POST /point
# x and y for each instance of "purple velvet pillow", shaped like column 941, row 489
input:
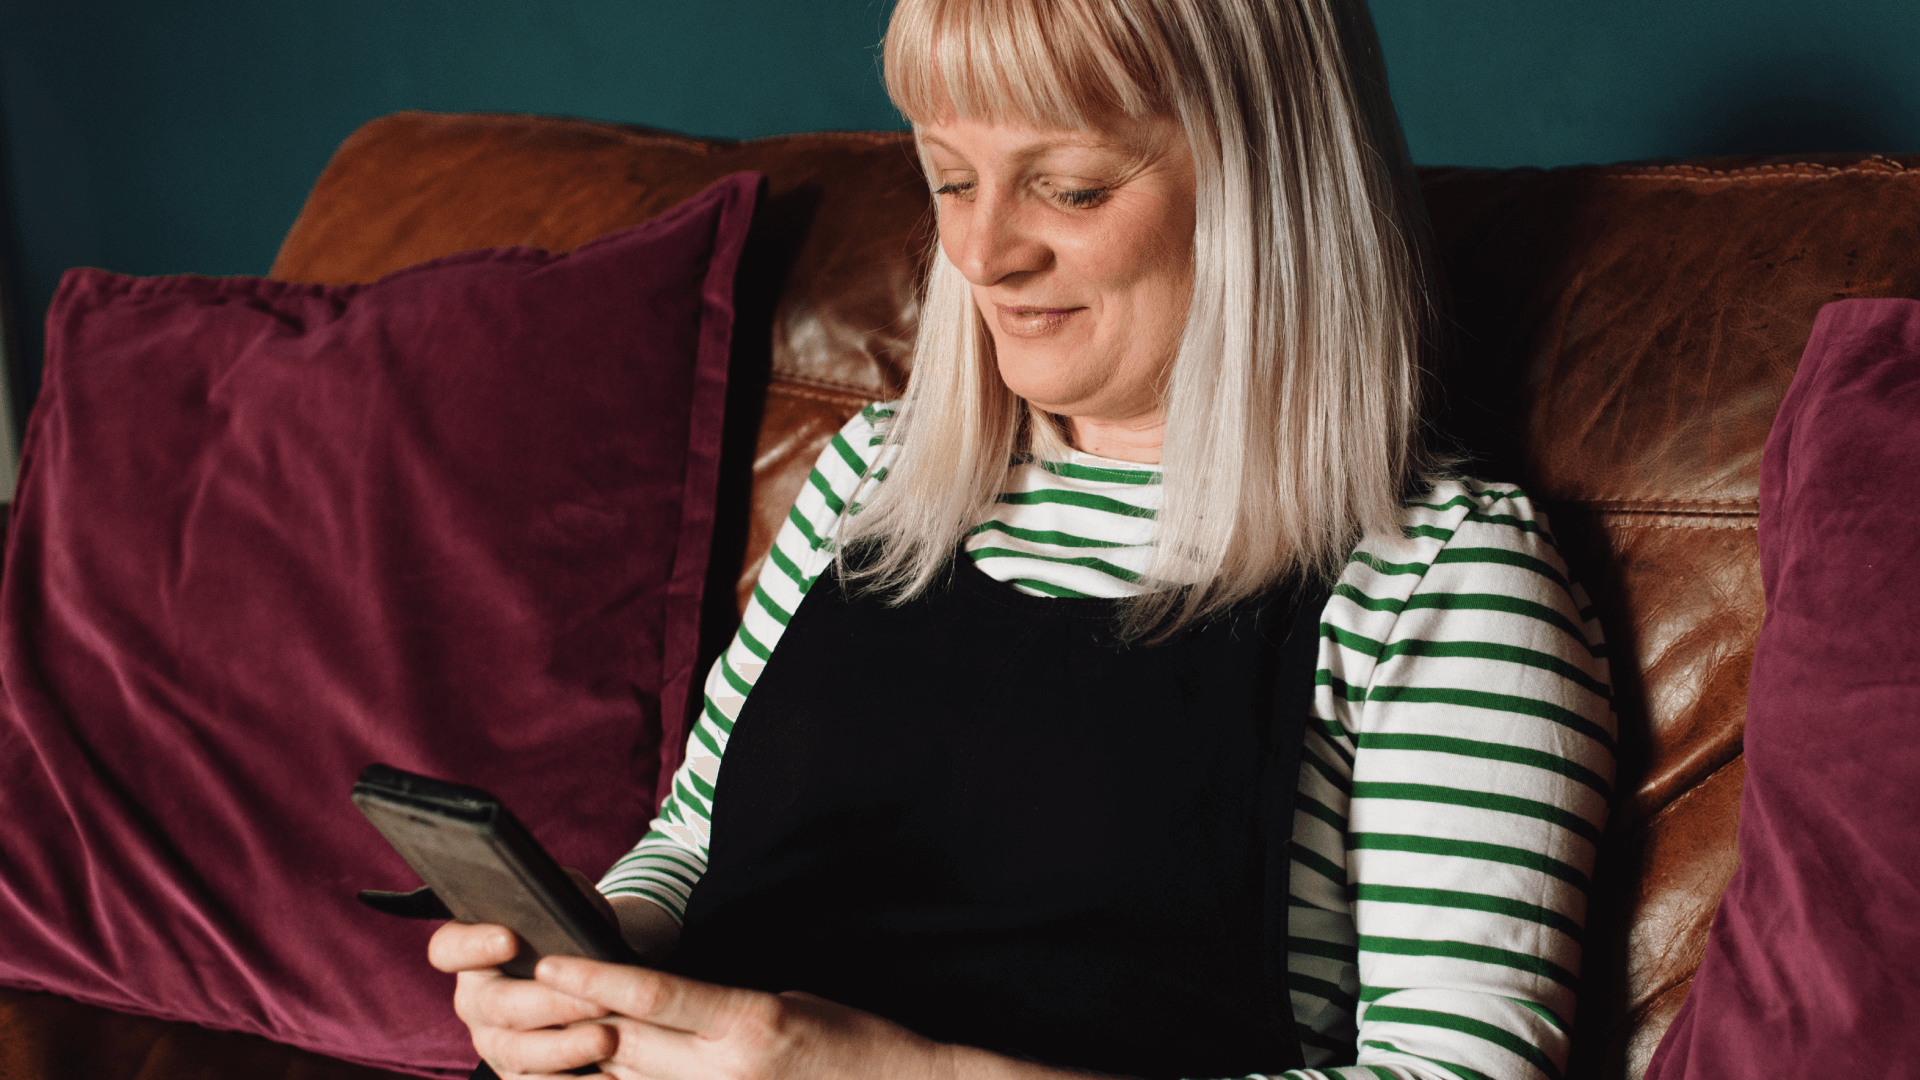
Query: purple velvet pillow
column 457, row 521
column 1813, row 963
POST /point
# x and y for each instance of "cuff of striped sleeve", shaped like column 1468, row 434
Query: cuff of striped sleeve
column 658, row 869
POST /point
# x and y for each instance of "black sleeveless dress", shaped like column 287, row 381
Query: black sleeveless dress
column 977, row 815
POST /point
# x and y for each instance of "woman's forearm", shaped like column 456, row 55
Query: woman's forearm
column 968, row 1063
column 647, row 927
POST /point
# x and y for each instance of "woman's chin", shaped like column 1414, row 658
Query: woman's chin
column 1096, row 401
column 1047, row 381
column 1048, row 399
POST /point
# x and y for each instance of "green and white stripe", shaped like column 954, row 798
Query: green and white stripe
column 1454, row 782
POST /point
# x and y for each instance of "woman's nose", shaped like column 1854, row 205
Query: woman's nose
column 993, row 241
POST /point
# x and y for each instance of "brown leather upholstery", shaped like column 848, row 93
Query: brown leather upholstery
column 1623, row 336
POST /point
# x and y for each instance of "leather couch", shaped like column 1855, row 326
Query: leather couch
column 1620, row 339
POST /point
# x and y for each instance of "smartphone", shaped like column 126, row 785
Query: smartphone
column 486, row 867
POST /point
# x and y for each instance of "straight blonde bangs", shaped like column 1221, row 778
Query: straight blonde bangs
column 1050, row 63
column 1293, row 405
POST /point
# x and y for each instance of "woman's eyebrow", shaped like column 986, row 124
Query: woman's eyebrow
column 1089, row 141
column 942, row 144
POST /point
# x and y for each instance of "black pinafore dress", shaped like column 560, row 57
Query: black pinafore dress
column 976, row 815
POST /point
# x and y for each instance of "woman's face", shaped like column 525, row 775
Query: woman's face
column 1079, row 248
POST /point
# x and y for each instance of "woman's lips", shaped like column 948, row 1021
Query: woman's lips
column 1033, row 322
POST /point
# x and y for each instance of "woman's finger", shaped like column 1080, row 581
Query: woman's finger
column 647, row 1050
column 470, row 946
column 490, row 999
column 654, row 996
column 547, row 1051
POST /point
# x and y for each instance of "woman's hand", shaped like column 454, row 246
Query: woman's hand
column 640, row 1024
column 664, row 1027
column 520, row 1027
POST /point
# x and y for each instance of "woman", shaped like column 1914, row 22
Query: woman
column 1107, row 704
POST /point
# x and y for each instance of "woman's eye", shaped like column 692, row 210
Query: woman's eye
column 1072, row 198
column 1076, row 198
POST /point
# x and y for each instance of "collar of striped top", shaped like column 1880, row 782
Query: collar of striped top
column 1082, row 466
column 1082, row 527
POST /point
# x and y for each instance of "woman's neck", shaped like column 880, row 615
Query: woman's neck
column 1136, row 440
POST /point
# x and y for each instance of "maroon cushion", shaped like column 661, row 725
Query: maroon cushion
column 457, row 521
column 1811, row 965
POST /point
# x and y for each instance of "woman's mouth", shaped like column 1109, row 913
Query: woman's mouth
column 1017, row 320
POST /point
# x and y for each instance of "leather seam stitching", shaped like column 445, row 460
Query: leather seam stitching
column 1691, row 511
column 627, row 134
column 1687, row 174
column 1700, row 522
column 1883, row 162
column 1696, row 508
column 1631, row 502
column 820, row 390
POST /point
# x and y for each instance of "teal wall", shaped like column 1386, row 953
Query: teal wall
column 1562, row 82
column 181, row 135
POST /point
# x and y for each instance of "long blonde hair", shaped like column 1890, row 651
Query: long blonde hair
column 1293, row 403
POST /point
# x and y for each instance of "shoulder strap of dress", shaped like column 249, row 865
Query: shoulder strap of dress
column 1295, row 667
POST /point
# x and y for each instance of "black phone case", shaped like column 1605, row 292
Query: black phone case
column 482, row 866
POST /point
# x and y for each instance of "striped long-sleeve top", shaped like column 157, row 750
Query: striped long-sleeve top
column 1453, row 783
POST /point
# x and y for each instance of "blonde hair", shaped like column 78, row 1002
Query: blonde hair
column 1293, row 402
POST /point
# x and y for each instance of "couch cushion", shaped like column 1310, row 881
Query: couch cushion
column 48, row 1037
column 829, row 291
column 1809, row 966
column 456, row 520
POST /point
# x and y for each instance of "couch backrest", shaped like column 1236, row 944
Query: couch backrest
column 1622, row 337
